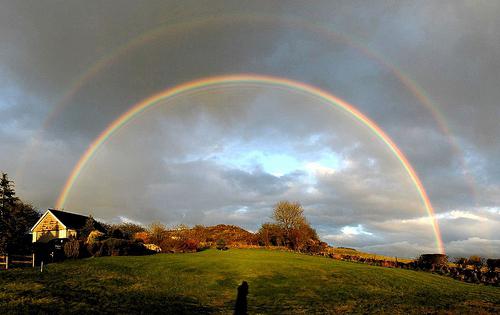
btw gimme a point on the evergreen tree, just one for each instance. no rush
(90, 225)
(7, 202)
(16, 219)
(7, 195)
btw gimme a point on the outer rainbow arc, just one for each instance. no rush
(252, 78)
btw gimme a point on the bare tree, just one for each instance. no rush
(157, 232)
(289, 215)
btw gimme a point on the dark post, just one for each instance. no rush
(241, 300)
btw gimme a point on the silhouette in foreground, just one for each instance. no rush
(241, 300)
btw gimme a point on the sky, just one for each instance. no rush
(426, 72)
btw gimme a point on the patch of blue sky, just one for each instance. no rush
(242, 210)
(277, 163)
(10, 127)
(330, 159)
(354, 230)
(7, 96)
(13, 120)
(494, 210)
(314, 139)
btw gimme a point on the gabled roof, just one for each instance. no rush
(68, 219)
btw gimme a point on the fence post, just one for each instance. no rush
(6, 261)
(33, 260)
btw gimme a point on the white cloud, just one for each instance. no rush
(460, 214)
(471, 246)
(474, 246)
(351, 236)
(401, 249)
(354, 230)
(319, 170)
(124, 219)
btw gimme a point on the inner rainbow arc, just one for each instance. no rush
(259, 79)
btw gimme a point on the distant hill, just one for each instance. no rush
(231, 234)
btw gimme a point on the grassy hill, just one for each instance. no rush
(206, 282)
(232, 234)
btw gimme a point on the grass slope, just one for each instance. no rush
(205, 282)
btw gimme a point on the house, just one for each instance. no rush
(57, 224)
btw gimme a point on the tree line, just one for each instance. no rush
(288, 228)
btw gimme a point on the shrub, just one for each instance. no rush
(315, 247)
(476, 261)
(493, 264)
(170, 244)
(72, 249)
(271, 234)
(94, 236)
(221, 244)
(190, 245)
(461, 262)
(153, 248)
(103, 249)
(93, 248)
(429, 261)
(126, 230)
(117, 233)
(203, 246)
(117, 247)
(141, 236)
(177, 244)
(112, 247)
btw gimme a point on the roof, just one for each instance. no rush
(68, 219)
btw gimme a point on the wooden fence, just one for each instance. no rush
(14, 260)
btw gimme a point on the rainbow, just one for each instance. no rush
(184, 26)
(225, 80)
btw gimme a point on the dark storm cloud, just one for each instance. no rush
(449, 48)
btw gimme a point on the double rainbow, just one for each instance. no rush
(203, 22)
(224, 80)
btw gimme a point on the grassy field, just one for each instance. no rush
(206, 282)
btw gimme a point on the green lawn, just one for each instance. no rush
(206, 282)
